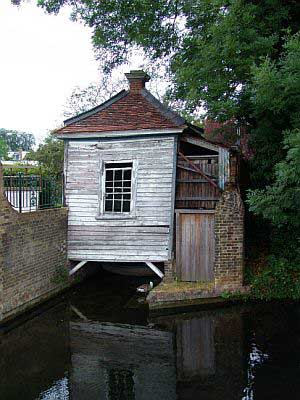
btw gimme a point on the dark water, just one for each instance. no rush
(99, 343)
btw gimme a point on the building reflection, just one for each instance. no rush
(226, 354)
(121, 362)
(181, 357)
(210, 353)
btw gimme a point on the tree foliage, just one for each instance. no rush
(211, 44)
(50, 156)
(3, 149)
(276, 94)
(16, 140)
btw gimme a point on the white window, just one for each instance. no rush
(117, 187)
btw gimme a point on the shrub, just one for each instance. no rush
(280, 279)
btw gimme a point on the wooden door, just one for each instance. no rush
(195, 245)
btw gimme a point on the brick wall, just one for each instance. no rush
(229, 236)
(169, 271)
(33, 256)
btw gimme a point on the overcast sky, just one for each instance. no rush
(43, 57)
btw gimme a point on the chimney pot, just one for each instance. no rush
(137, 80)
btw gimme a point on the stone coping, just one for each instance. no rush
(183, 294)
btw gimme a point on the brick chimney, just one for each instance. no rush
(137, 80)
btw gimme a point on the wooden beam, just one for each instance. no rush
(192, 181)
(197, 169)
(193, 211)
(200, 142)
(154, 269)
(192, 170)
(79, 313)
(77, 267)
(197, 198)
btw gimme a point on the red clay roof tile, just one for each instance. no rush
(134, 110)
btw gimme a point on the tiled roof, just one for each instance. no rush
(128, 110)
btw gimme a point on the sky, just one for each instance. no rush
(42, 58)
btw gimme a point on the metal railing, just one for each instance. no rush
(27, 193)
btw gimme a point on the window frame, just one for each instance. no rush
(116, 215)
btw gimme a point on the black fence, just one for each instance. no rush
(28, 193)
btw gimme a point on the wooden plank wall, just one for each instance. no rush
(145, 237)
(188, 193)
(223, 166)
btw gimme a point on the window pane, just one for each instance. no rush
(118, 183)
(118, 175)
(117, 206)
(126, 206)
(118, 165)
(109, 175)
(108, 205)
(127, 174)
(117, 187)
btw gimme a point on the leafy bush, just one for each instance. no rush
(280, 279)
(26, 171)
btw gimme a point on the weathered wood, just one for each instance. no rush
(77, 267)
(195, 246)
(79, 256)
(196, 198)
(195, 194)
(155, 269)
(199, 142)
(197, 169)
(192, 211)
(153, 200)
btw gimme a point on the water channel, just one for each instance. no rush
(99, 342)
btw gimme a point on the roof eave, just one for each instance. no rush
(120, 134)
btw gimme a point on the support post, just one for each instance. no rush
(77, 267)
(155, 269)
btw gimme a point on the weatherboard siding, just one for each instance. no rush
(145, 236)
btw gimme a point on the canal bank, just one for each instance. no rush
(177, 295)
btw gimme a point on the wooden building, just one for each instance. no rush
(142, 185)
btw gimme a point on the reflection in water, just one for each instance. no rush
(107, 350)
(59, 390)
(256, 358)
(195, 348)
(120, 362)
(121, 385)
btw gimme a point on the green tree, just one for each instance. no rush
(276, 97)
(17, 140)
(211, 45)
(3, 149)
(50, 156)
